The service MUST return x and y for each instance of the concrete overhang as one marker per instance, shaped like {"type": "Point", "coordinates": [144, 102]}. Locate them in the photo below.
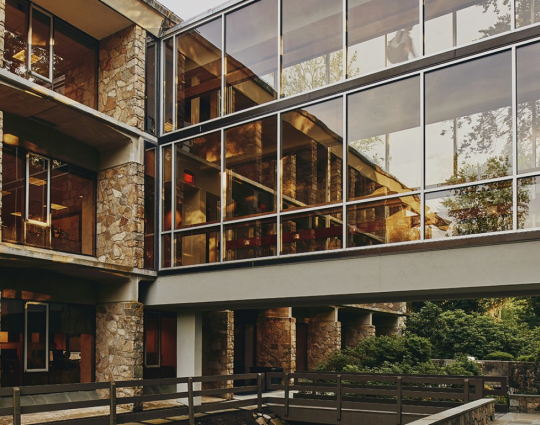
{"type": "Point", "coordinates": [13, 256]}
{"type": "Point", "coordinates": [499, 265]}
{"type": "Point", "coordinates": [28, 100]}
{"type": "Point", "coordinates": [102, 18]}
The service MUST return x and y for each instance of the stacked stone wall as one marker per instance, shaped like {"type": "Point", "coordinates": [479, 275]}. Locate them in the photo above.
{"type": "Point", "coordinates": [121, 86]}
{"type": "Point", "coordinates": [119, 344]}
{"type": "Point", "coordinates": [353, 334]}
{"type": "Point", "coordinates": [324, 338]}
{"type": "Point", "coordinates": [120, 215]}
{"type": "Point", "coordinates": [218, 347]}
{"type": "Point", "coordinates": [276, 343]}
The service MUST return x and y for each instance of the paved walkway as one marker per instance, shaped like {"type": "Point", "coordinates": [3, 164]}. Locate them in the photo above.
{"type": "Point", "coordinates": [517, 419]}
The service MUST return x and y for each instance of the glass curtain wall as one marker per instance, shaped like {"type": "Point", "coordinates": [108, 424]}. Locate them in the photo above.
{"type": "Point", "coordinates": [313, 49]}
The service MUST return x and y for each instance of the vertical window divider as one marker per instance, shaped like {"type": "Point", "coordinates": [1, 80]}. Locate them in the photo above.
{"type": "Point", "coordinates": [224, 96]}
{"type": "Point", "coordinates": [513, 14]}
{"type": "Point", "coordinates": [423, 159]}
{"type": "Point", "coordinates": [345, 40]}
{"type": "Point", "coordinates": [174, 87]}
{"type": "Point", "coordinates": [279, 186]}
{"type": "Point", "coordinates": [344, 172]}
{"type": "Point", "coordinates": [279, 86]}
{"type": "Point", "coordinates": [223, 198]}
{"type": "Point", "coordinates": [515, 191]}
{"type": "Point", "coordinates": [422, 27]}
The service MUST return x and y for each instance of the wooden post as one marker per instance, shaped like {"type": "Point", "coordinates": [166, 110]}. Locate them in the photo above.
{"type": "Point", "coordinates": [259, 392]}
{"type": "Point", "coordinates": [16, 406]}
{"type": "Point", "coordinates": [467, 396]}
{"type": "Point", "coordinates": [287, 384]}
{"type": "Point", "coordinates": [112, 397]}
{"type": "Point", "coordinates": [191, 402]}
{"type": "Point", "coordinates": [399, 399]}
{"type": "Point", "coordinates": [338, 398]}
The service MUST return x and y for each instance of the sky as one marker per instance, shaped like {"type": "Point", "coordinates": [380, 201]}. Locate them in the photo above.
{"type": "Point", "coordinates": [189, 8]}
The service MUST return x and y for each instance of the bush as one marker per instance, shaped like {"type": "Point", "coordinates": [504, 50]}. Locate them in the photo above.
{"type": "Point", "coordinates": [527, 358]}
{"type": "Point", "coordinates": [499, 355]}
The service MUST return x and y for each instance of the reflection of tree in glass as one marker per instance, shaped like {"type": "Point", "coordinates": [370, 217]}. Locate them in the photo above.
{"type": "Point", "coordinates": [527, 12]}
{"type": "Point", "coordinates": [371, 147]}
{"type": "Point", "coordinates": [503, 20]}
{"type": "Point", "coordinates": [528, 131]}
{"type": "Point", "coordinates": [488, 207]}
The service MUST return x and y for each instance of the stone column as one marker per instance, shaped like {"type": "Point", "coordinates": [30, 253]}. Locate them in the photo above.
{"type": "Point", "coordinates": [119, 343]}
{"type": "Point", "coordinates": [218, 347]}
{"type": "Point", "coordinates": [324, 337]}
{"type": "Point", "coordinates": [356, 328]}
{"type": "Point", "coordinates": [276, 339]}
{"type": "Point", "coordinates": [121, 84]}
{"type": "Point", "coordinates": [120, 215]}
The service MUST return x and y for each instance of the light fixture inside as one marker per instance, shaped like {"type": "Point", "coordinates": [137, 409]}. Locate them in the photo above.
{"type": "Point", "coordinates": [17, 214]}
{"type": "Point", "coordinates": [37, 182]}
{"type": "Point", "coordinates": [57, 207]}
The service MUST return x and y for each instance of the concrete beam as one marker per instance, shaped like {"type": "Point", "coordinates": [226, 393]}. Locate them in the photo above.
{"type": "Point", "coordinates": [468, 271]}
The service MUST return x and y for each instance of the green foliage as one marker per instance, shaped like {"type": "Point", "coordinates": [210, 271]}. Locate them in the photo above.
{"type": "Point", "coordinates": [499, 355]}
{"type": "Point", "coordinates": [527, 358]}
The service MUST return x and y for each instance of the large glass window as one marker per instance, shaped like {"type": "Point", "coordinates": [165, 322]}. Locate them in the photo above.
{"type": "Point", "coordinates": [47, 203]}
{"type": "Point", "coordinates": [312, 231]}
{"type": "Point", "coordinates": [37, 337]}
{"type": "Point", "coordinates": [59, 57]}
{"type": "Point", "coordinates": [150, 88]}
{"type": "Point", "coordinates": [150, 165]}
{"type": "Point", "coordinates": [384, 140]}
{"type": "Point", "coordinates": [199, 74]}
{"type": "Point", "coordinates": [198, 181]}
{"type": "Point", "coordinates": [168, 85]}
{"type": "Point", "coordinates": [528, 101]}
{"type": "Point", "coordinates": [454, 23]}
{"type": "Point", "coordinates": [254, 239]}
{"type": "Point", "coordinates": [197, 247]}
{"type": "Point", "coordinates": [381, 33]}
{"type": "Point", "coordinates": [527, 12]}
{"type": "Point", "coordinates": [312, 44]}
{"type": "Point", "coordinates": [312, 155]}
{"type": "Point", "coordinates": [385, 221]}
{"type": "Point", "coordinates": [251, 160]}
{"type": "Point", "coordinates": [528, 192]}
{"type": "Point", "coordinates": [469, 121]}
{"type": "Point", "coordinates": [252, 57]}
{"type": "Point", "coordinates": [470, 210]}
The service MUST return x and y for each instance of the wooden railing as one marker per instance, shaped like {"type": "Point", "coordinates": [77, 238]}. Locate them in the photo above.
{"type": "Point", "coordinates": [402, 397]}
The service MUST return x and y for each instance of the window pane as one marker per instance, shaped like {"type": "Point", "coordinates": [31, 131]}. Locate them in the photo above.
{"type": "Point", "coordinates": [149, 206]}
{"type": "Point", "coordinates": [251, 160]}
{"type": "Point", "coordinates": [469, 121]}
{"type": "Point", "coordinates": [168, 86]}
{"type": "Point", "coordinates": [166, 251]}
{"type": "Point", "coordinates": [13, 193]}
{"type": "Point", "coordinates": [311, 232]}
{"type": "Point", "coordinates": [528, 203]}
{"type": "Point", "coordinates": [381, 33]}
{"type": "Point", "coordinates": [252, 56]}
{"type": "Point", "coordinates": [312, 44]}
{"type": "Point", "coordinates": [75, 69]}
{"type": "Point", "coordinates": [72, 209]}
{"type": "Point", "coordinates": [527, 12]}
{"type": "Point", "coordinates": [166, 189]}
{"type": "Point", "coordinates": [150, 88]}
{"type": "Point", "coordinates": [196, 247]}
{"type": "Point", "coordinates": [36, 337]}
{"type": "Point", "coordinates": [469, 210]}
{"type": "Point", "coordinates": [41, 43]}
{"type": "Point", "coordinates": [386, 221]}
{"type": "Point", "coordinates": [312, 154]}
{"type": "Point", "coordinates": [15, 37]}
{"type": "Point", "coordinates": [454, 23]}
{"type": "Point", "coordinates": [384, 140]}
{"type": "Point", "coordinates": [255, 239]}
{"type": "Point", "coordinates": [38, 188]}
{"type": "Point", "coordinates": [198, 181]}
{"type": "Point", "coordinates": [151, 339]}
{"type": "Point", "coordinates": [528, 99]}
{"type": "Point", "coordinates": [199, 74]}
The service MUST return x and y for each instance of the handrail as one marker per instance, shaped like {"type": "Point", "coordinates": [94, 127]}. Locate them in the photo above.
{"type": "Point", "coordinates": [350, 390]}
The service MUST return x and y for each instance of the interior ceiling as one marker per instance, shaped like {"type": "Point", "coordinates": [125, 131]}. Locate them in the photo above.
{"type": "Point", "coordinates": [62, 118]}
{"type": "Point", "coordinates": [91, 16]}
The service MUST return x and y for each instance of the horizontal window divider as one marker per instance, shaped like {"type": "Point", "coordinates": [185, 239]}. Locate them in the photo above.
{"type": "Point", "coordinates": [239, 220]}
{"type": "Point", "coordinates": [468, 184]}
{"type": "Point", "coordinates": [528, 175]}
{"type": "Point", "coordinates": [381, 198]}
{"type": "Point", "coordinates": [197, 227]}
{"type": "Point", "coordinates": [301, 210]}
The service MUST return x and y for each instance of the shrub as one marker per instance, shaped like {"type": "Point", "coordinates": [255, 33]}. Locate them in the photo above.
{"type": "Point", "coordinates": [499, 355]}
{"type": "Point", "coordinates": [527, 358]}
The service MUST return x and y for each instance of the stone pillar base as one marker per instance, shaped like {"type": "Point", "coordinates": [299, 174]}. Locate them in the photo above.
{"type": "Point", "coordinates": [353, 334]}
{"type": "Point", "coordinates": [276, 342]}
{"type": "Point", "coordinates": [323, 339]}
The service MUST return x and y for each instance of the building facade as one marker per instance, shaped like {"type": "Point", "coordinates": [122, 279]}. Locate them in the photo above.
{"type": "Point", "coordinates": [259, 186]}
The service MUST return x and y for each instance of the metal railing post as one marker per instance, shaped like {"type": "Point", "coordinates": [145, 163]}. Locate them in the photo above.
{"type": "Point", "coordinates": [467, 395]}
{"type": "Point", "coordinates": [287, 400]}
{"type": "Point", "coordinates": [399, 407]}
{"type": "Point", "coordinates": [112, 397]}
{"type": "Point", "coordinates": [16, 406]}
{"type": "Point", "coordinates": [191, 402]}
{"type": "Point", "coordinates": [338, 398]}
{"type": "Point", "coordinates": [259, 392]}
